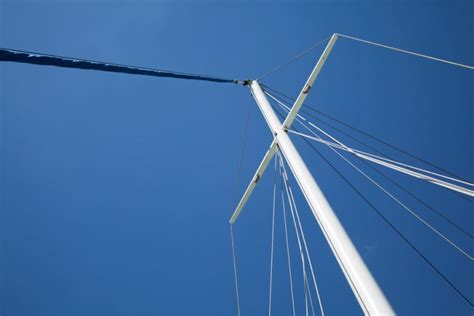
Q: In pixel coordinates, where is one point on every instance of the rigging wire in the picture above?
(418, 217)
(305, 279)
(287, 249)
(392, 164)
(378, 140)
(407, 52)
(294, 58)
(292, 208)
(390, 179)
(299, 55)
(377, 160)
(19, 56)
(404, 206)
(235, 269)
(373, 137)
(308, 257)
(236, 185)
(385, 219)
(398, 232)
(396, 162)
(273, 240)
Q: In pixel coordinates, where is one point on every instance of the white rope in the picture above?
(288, 253)
(235, 271)
(273, 242)
(407, 52)
(368, 157)
(307, 254)
(310, 299)
(393, 161)
(410, 172)
(285, 178)
(383, 161)
(419, 218)
(308, 257)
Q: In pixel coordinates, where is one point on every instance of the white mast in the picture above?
(365, 288)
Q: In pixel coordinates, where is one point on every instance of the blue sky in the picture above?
(116, 190)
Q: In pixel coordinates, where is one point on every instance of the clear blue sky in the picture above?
(116, 190)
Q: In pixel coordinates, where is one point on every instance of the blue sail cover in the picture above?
(17, 56)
